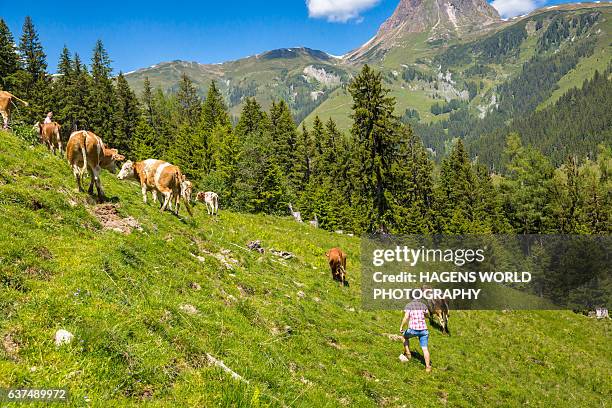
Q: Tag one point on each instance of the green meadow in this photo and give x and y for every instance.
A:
(150, 307)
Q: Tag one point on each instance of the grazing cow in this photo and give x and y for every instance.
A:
(296, 214)
(85, 150)
(337, 263)
(6, 100)
(49, 134)
(161, 177)
(438, 312)
(211, 200)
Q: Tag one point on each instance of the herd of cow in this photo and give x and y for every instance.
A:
(85, 152)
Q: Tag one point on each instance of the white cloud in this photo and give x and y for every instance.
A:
(339, 11)
(513, 8)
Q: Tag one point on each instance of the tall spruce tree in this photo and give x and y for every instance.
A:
(189, 103)
(34, 85)
(145, 143)
(216, 125)
(31, 50)
(413, 191)
(375, 130)
(188, 149)
(127, 115)
(527, 189)
(214, 109)
(62, 91)
(147, 101)
(80, 102)
(251, 119)
(456, 192)
(261, 183)
(284, 138)
(102, 102)
(9, 59)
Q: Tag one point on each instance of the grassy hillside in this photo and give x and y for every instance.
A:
(143, 329)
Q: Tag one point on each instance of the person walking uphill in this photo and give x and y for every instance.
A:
(414, 319)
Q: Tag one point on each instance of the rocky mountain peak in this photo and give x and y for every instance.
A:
(440, 18)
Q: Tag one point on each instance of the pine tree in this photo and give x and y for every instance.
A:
(227, 159)
(375, 130)
(527, 190)
(126, 115)
(64, 65)
(9, 59)
(102, 100)
(284, 138)
(142, 144)
(31, 50)
(163, 117)
(251, 119)
(190, 106)
(215, 125)
(456, 192)
(188, 150)
(79, 105)
(61, 90)
(413, 189)
(147, 101)
(260, 182)
(33, 86)
(214, 110)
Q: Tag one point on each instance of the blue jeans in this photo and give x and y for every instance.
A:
(423, 336)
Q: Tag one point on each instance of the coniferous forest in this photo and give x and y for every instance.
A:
(378, 176)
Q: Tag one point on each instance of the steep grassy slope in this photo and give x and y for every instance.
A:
(296, 337)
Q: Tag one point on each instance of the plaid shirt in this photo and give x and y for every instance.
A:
(416, 311)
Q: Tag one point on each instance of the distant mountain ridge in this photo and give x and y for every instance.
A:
(429, 52)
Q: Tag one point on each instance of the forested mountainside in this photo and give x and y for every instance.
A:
(448, 81)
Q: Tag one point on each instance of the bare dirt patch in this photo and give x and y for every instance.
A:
(109, 217)
(11, 347)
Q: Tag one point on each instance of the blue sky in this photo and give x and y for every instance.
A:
(139, 34)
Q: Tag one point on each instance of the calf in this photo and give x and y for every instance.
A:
(337, 263)
(85, 150)
(161, 177)
(211, 200)
(49, 134)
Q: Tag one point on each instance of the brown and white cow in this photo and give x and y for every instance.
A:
(6, 100)
(85, 150)
(337, 263)
(159, 176)
(49, 134)
(211, 200)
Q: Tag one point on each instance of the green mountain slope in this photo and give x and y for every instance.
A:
(421, 72)
(430, 52)
(300, 76)
(143, 330)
